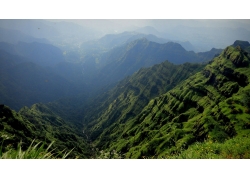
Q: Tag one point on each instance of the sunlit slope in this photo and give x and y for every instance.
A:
(210, 105)
(109, 112)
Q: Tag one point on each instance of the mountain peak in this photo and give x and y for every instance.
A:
(242, 44)
(140, 41)
(237, 55)
(143, 39)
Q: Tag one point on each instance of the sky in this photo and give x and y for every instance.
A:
(160, 24)
(114, 17)
(203, 34)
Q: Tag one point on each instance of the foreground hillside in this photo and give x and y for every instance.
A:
(40, 124)
(211, 106)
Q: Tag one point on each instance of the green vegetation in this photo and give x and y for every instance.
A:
(206, 107)
(44, 126)
(165, 111)
(110, 111)
(34, 151)
(235, 148)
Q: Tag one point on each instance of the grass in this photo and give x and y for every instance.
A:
(235, 148)
(34, 151)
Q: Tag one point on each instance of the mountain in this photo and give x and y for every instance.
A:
(40, 124)
(126, 95)
(163, 111)
(39, 53)
(210, 106)
(186, 45)
(110, 41)
(44, 76)
(104, 69)
(209, 55)
(243, 44)
(127, 59)
(25, 83)
(113, 109)
(164, 37)
(149, 30)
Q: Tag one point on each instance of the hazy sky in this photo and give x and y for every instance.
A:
(159, 24)
(204, 34)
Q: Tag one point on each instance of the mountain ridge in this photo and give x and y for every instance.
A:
(125, 60)
(158, 112)
(190, 112)
(208, 106)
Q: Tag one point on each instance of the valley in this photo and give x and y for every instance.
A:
(132, 95)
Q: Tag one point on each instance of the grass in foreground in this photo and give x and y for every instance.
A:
(235, 148)
(34, 151)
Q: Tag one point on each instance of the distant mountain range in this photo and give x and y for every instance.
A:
(24, 83)
(129, 58)
(29, 82)
(39, 53)
(110, 41)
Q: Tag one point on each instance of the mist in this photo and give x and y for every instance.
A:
(67, 33)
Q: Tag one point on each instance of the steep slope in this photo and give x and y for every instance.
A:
(145, 47)
(40, 124)
(14, 128)
(96, 48)
(107, 68)
(210, 105)
(243, 44)
(125, 60)
(110, 111)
